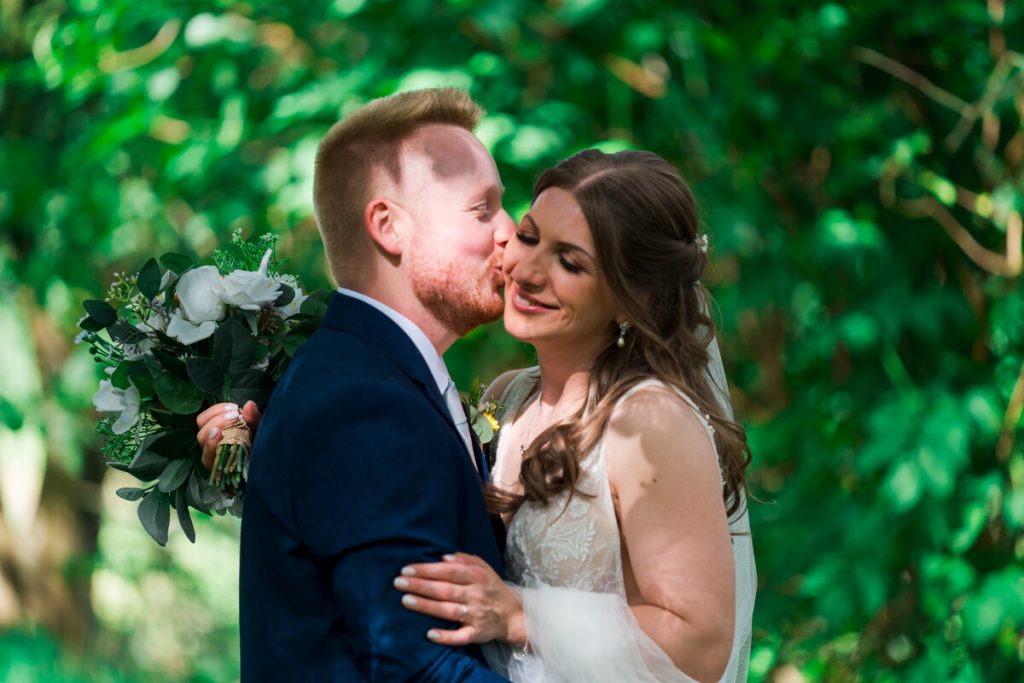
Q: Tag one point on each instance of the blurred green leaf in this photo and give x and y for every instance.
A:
(149, 279)
(155, 515)
(101, 312)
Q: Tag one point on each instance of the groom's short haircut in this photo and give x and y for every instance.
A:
(355, 148)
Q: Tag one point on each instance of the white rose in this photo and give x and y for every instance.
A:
(249, 290)
(112, 400)
(199, 292)
(187, 332)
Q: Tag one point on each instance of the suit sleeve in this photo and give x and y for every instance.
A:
(379, 488)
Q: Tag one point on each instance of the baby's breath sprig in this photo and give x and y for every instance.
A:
(122, 289)
(122, 448)
(247, 254)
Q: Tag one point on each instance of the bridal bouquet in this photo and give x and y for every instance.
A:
(176, 338)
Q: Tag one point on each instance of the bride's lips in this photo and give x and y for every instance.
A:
(526, 304)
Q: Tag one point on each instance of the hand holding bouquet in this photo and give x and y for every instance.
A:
(175, 340)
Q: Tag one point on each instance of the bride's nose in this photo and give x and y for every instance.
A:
(526, 267)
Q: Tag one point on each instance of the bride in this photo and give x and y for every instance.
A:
(619, 468)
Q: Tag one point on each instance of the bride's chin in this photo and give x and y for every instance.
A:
(512, 326)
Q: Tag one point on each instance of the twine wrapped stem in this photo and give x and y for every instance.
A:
(231, 465)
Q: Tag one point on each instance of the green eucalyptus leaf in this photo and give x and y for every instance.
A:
(155, 515)
(290, 343)
(124, 333)
(251, 385)
(169, 363)
(176, 443)
(285, 297)
(176, 263)
(149, 279)
(175, 421)
(205, 374)
(193, 492)
(179, 396)
(184, 517)
(130, 493)
(138, 373)
(101, 312)
(233, 346)
(147, 465)
(174, 475)
(89, 324)
(122, 374)
(313, 307)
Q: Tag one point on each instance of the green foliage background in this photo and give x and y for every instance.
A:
(859, 166)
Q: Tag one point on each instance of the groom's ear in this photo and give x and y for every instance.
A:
(385, 224)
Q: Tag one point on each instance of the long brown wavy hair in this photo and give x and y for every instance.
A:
(644, 223)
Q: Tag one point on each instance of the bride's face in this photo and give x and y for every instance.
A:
(554, 289)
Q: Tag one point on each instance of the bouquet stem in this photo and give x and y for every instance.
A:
(231, 465)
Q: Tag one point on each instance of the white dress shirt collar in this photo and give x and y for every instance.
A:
(435, 363)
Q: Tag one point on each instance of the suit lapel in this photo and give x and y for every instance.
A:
(478, 454)
(355, 317)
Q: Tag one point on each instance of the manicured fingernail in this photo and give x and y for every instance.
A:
(231, 408)
(214, 432)
(401, 583)
(408, 601)
(433, 635)
(408, 571)
(231, 415)
(448, 558)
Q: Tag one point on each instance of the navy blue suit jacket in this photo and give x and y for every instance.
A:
(357, 471)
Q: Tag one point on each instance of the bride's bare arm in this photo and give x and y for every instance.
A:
(680, 578)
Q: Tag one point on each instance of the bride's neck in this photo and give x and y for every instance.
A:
(564, 377)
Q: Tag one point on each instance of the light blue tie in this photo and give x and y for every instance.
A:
(454, 402)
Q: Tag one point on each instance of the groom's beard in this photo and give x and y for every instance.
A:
(458, 298)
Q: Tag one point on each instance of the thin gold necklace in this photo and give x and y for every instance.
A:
(529, 432)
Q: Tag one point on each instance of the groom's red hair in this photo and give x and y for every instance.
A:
(368, 139)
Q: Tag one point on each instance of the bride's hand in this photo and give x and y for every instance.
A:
(464, 589)
(213, 420)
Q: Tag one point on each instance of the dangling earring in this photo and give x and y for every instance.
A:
(623, 329)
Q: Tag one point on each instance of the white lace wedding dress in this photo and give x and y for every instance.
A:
(567, 562)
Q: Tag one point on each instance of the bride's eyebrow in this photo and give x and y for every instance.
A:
(564, 246)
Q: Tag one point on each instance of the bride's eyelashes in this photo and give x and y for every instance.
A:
(526, 238)
(568, 264)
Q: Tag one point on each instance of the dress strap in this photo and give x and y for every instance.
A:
(517, 390)
(511, 398)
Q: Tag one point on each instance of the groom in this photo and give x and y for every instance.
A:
(364, 462)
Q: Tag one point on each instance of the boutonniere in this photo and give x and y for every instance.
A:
(483, 416)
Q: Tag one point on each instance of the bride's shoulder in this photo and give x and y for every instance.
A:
(649, 400)
(654, 429)
(654, 410)
(498, 389)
